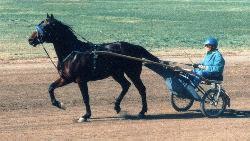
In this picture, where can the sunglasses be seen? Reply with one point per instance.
(207, 45)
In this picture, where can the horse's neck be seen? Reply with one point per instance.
(63, 49)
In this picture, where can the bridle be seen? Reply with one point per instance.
(40, 33)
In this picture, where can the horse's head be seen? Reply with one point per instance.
(45, 32)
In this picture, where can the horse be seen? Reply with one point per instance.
(77, 63)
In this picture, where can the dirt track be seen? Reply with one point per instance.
(26, 112)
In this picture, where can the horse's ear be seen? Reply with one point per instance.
(51, 17)
(48, 16)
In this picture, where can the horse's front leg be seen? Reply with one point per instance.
(85, 95)
(58, 83)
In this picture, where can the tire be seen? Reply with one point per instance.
(217, 108)
(180, 103)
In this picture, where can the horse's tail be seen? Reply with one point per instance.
(161, 70)
(148, 55)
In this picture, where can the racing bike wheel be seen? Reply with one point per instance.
(181, 103)
(211, 106)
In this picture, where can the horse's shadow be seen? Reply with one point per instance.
(191, 114)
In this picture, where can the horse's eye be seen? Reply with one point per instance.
(46, 21)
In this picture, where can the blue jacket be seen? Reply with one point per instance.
(214, 63)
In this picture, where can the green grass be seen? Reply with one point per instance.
(154, 24)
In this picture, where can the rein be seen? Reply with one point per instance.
(49, 56)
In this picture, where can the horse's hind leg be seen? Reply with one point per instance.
(125, 84)
(58, 83)
(135, 78)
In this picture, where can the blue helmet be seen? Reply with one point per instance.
(211, 41)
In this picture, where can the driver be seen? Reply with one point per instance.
(212, 65)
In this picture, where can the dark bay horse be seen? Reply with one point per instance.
(86, 66)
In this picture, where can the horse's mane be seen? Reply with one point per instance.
(67, 34)
(65, 30)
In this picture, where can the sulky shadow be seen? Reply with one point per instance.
(191, 114)
(232, 113)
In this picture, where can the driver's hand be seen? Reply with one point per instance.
(202, 67)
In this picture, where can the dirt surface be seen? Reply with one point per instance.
(26, 112)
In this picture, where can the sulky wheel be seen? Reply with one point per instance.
(181, 103)
(211, 106)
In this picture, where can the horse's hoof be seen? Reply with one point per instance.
(56, 103)
(142, 114)
(62, 106)
(81, 119)
(59, 105)
(117, 109)
(84, 118)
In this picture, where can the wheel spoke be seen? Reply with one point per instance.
(181, 103)
(210, 106)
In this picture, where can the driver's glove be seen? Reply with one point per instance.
(202, 67)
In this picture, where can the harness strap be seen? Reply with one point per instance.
(94, 57)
